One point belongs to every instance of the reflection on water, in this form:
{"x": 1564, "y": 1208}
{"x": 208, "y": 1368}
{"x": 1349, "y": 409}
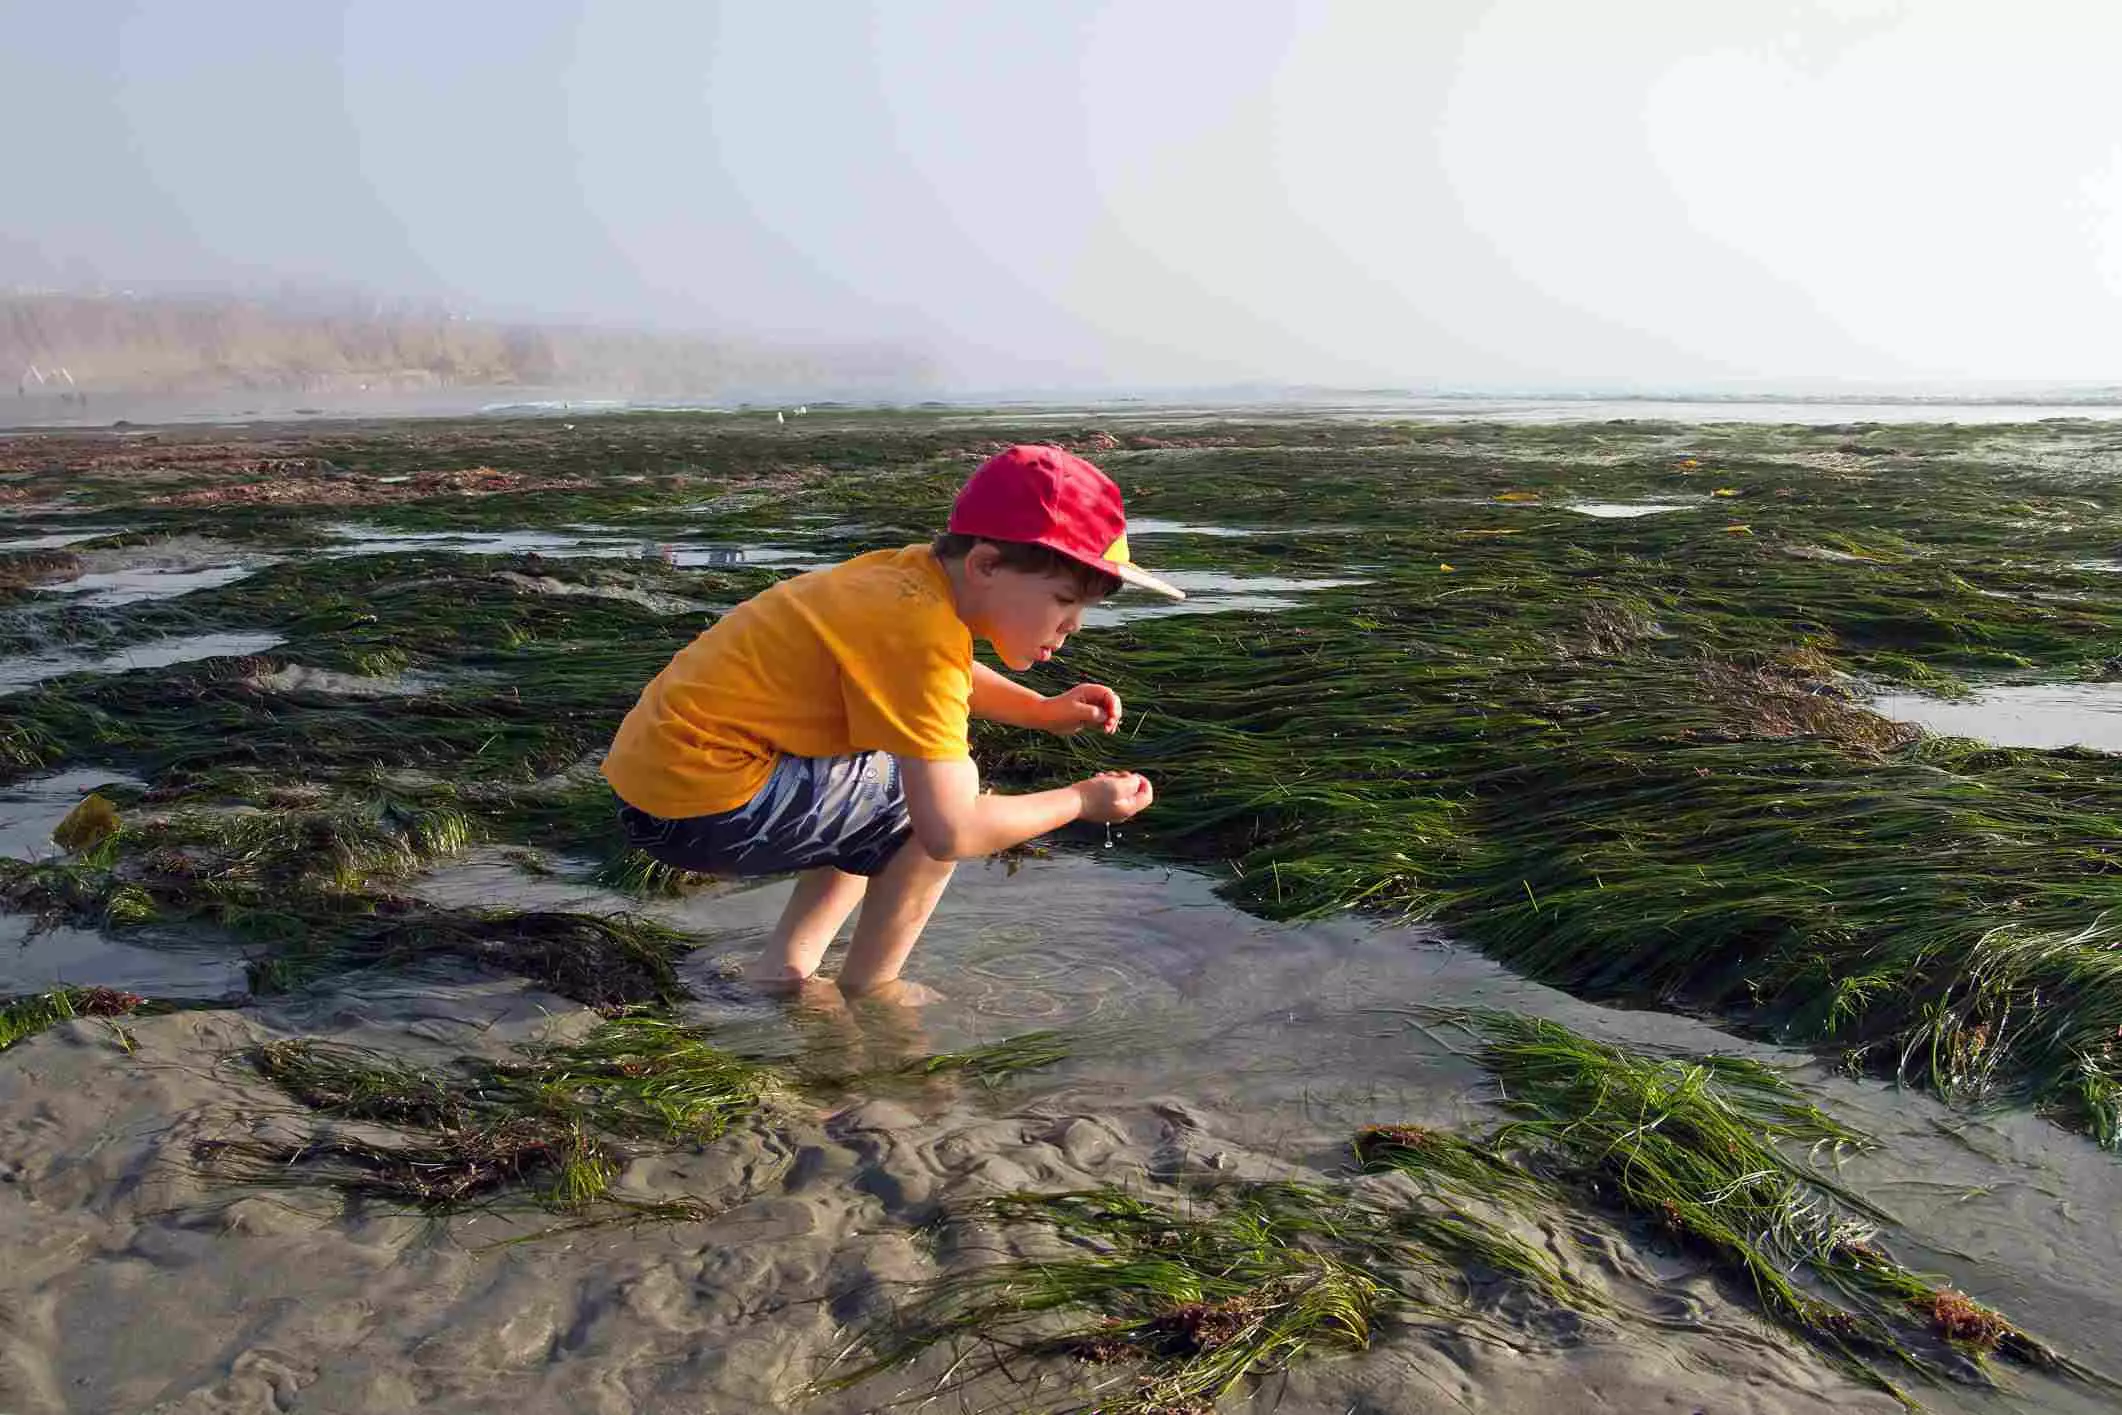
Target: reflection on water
{"x": 1211, "y": 592}
{"x": 153, "y": 964}
{"x": 19, "y": 673}
{"x": 2026, "y": 715}
{"x": 105, "y": 589}
{"x": 1623, "y": 510}
{"x": 34, "y": 958}
{"x": 580, "y": 543}
{"x": 50, "y": 542}
{"x": 381, "y": 540}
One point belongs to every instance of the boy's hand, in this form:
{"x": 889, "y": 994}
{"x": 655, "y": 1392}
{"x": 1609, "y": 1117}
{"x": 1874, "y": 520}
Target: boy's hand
{"x": 1085, "y": 705}
{"x": 1113, "y": 796}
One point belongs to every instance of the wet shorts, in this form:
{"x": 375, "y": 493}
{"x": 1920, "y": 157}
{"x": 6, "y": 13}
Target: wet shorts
{"x": 847, "y": 812}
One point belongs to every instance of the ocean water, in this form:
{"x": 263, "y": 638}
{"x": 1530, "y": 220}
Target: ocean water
{"x": 1061, "y": 405}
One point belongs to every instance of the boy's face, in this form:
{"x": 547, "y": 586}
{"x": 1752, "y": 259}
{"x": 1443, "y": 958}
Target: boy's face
{"x": 1026, "y": 616}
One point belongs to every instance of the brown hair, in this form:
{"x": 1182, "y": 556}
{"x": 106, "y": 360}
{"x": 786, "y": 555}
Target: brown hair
{"x": 1090, "y": 582}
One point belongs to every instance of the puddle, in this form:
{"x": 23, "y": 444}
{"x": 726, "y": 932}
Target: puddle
{"x": 17, "y": 674}
{"x": 1151, "y": 525}
{"x": 1140, "y": 526}
{"x": 29, "y": 809}
{"x": 1214, "y": 582}
{"x": 1144, "y": 607}
{"x": 1622, "y": 510}
{"x": 485, "y": 877}
{"x": 155, "y": 965}
{"x": 50, "y": 542}
{"x": 651, "y": 600}
{"x": 376, "y": 540}
{"x": 2109, "y": 566}
{"x": 1210, "y": 592}
{"x": 703, "y": 556}
{"x": 380, "y": 540}
{"x": 2029, "y": 715}
{"x": 105, "y": 589}
{"x": 300, "y": 678}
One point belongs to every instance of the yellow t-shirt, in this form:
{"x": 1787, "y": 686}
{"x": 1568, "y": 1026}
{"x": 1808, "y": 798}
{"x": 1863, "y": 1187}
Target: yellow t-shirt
{"x": 869, "y": 655}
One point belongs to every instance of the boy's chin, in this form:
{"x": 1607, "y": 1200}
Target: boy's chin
{"x": 1015, "y": 662}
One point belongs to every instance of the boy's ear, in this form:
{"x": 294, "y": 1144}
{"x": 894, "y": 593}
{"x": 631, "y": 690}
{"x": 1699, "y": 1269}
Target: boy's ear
{"x": 983, "y": 559}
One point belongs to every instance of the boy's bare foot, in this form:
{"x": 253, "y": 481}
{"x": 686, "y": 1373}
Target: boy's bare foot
{"x": 808, "y": 994}
{"x": 899, "y": 992}
{"x": 763, "y": 974}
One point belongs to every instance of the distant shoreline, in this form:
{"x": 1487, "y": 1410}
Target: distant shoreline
{"x": 101, "y": 411}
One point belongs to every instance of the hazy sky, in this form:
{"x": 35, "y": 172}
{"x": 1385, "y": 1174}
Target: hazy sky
{"x": 1378, "y": 192}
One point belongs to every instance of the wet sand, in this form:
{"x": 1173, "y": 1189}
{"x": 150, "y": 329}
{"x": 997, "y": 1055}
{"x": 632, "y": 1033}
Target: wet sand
{"x": 1226, "y": 1047}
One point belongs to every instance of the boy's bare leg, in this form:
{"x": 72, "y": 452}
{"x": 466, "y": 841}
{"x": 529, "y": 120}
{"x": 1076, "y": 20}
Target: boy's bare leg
{"x": 901, "y": 897}
{"x": 823, "y": 899}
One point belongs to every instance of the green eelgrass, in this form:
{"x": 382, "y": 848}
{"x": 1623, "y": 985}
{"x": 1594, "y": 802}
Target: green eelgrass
{"x": 552, "y": 1127}
{"x": 1702, "y": 1148}
{"x": 638, "y": 873}
{"x": 995, "y": 1062}
{"x": 1192, "y": 1297}
{"x": 1184, "y": 1306}
{"x": 1622, "y": 755}
{"x": 24, "y": 1017}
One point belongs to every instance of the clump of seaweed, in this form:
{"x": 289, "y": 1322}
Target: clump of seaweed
{"x": 554, "y": 1125}
{"x": 1190, "y": 1304}
{"x": 1702, "y": 1148}
{"x": 24, "y": 1017}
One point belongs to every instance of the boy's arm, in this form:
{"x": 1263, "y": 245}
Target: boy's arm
{"x": 953, "y": 820}
{"x": 999, "y": 699}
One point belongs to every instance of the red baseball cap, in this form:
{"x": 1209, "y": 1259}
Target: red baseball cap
{"x": 1045, "y": 496}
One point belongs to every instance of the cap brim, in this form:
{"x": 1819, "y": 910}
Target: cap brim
{"x": 1141, "y": 579}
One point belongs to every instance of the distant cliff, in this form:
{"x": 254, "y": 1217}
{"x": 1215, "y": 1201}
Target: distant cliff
{"x": 51, "y": 343}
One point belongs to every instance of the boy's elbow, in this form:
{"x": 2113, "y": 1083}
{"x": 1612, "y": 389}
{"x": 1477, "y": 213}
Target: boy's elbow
{"x": 942, "y": 843}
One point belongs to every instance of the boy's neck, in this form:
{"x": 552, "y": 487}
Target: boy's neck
{"x": 954, "y": 572}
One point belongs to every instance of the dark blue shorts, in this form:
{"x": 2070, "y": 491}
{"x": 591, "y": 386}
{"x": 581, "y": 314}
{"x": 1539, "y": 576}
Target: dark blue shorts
{"x": 847, "y": 812}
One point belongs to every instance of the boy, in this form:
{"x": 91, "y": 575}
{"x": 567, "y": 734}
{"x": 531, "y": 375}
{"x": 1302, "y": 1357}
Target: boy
{"x": 821, "y": 726}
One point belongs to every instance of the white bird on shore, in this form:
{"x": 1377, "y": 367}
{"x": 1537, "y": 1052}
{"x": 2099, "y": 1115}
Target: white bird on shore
{"x": 778, "y": 416}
